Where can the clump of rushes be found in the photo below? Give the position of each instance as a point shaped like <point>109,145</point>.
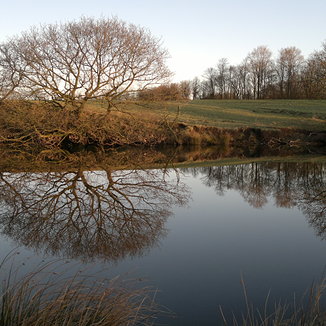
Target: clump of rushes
<point>77,301</point>
<point>309,312</point>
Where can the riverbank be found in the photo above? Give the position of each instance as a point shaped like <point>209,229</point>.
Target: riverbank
<point>32,126</point>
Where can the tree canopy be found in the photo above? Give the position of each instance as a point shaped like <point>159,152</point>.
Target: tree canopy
<point>74,62</point>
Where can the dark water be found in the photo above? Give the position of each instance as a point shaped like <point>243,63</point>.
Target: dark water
<point>191,233</point>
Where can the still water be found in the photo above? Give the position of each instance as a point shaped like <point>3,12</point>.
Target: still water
<point>191,233</point>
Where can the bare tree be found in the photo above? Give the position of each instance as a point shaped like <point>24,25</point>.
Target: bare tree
<point>195,88</point>
<point>10,74</point>
<point>322,63</point>
<point>185,88</point>
<point>315,74</point>
<point>244,79</point>
<point>234,82</point>
<point>221,77</point>
<point>89,59</point>
<point>209,84</point>
<point>288,68</point>
<point>260,62</point>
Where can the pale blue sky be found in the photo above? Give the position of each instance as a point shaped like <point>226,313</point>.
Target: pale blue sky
<point>196,33</point>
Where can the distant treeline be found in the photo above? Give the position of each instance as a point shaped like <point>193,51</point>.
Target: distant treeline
<point>259,76</point>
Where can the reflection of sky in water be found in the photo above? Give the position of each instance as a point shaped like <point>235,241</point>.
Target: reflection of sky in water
<point>214,240</point>
<point>218,238</point>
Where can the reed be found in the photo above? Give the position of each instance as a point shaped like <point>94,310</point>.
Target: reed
<point>39,298</point>
<point>309,311</point>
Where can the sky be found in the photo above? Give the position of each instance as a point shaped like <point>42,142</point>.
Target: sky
<point>196,33</point>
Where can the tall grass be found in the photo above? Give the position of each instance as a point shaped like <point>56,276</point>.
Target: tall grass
<point>309,311</point>
<point>43,298</point>
<point>40,299</point>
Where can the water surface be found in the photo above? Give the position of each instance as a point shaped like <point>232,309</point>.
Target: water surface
<point>191,233</point>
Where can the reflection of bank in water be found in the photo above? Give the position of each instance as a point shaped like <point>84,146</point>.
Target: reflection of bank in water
<point>89,214</point>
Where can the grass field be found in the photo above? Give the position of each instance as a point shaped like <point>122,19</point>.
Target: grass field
<point>302,114</point>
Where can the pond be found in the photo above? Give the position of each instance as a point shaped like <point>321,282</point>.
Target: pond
<point>195,233</point>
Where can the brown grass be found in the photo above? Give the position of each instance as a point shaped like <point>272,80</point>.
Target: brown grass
<point>40,299</point>
<point>40,125</point>
<point>310,311</point>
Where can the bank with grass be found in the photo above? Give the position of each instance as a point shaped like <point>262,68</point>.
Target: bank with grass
<point>37,126</point>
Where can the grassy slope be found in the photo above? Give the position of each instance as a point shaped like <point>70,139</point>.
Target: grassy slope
<point>302,114</point>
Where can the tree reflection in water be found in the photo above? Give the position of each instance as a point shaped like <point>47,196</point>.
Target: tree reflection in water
<point>89,214</point>
<point>290,184</point>
<point>110,214</point>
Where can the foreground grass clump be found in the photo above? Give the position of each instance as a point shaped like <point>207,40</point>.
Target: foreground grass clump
<point>36,300</point>
<point>310,311</point>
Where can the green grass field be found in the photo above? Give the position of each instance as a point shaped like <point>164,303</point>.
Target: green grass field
<point>302,114</point>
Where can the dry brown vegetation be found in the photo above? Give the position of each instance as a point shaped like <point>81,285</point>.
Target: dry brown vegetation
<point>308,312</point>
<point>48,297</point>
<point>38,127</point>
<point>32,125</point>
<point>35,126</point>
<point>167,92</point>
